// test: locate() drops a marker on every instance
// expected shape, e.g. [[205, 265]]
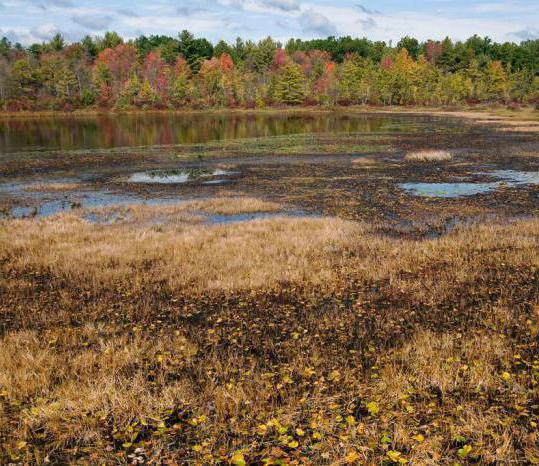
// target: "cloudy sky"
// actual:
[[30, 21]]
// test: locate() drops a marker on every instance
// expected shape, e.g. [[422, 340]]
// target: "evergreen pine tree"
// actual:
[[290, 85]]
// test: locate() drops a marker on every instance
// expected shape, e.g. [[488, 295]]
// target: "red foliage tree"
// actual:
[[155, 72], [120, 61], [225, 63], [387, 62], [433, 50], [279, 59]]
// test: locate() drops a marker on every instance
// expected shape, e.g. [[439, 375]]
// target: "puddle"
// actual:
[[509, 178], [515, 177], [448, 190], [82, 201], [217, 182], [178, 176]]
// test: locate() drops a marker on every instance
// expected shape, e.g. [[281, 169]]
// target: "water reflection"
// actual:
[[107, 131], [509, 178], [448, 190], [515, 177], [177, 176]]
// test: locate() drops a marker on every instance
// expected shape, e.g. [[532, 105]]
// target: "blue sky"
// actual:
[[29, 21]]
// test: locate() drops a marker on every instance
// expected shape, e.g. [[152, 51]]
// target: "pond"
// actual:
[[18, 134], [508, 178]]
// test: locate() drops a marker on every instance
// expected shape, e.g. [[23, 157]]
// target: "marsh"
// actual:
[[313, 306]]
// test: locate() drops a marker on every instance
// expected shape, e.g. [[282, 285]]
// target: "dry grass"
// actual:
[[261, 253], [53, 187], [304, 341], [428, 156], [364, 162], [255, 254]]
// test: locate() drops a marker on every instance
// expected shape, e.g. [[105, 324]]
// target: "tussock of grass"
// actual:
[[428, 156], [53, 187], [364, 162], [233, 205]]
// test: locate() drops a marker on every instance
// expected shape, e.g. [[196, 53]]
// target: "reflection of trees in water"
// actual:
[[106, 131]]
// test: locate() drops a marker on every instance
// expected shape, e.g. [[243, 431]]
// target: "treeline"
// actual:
[[189, 72]]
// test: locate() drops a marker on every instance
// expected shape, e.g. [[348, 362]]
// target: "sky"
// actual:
[[29, 21]]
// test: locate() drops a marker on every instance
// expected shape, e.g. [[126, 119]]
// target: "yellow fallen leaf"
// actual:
[[237, 459], [351, 457], [372, 408]]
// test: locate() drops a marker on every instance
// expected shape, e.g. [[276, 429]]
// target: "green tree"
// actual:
[[89, 47], [259, 57], [496, 82], [410, 44], [195, 51], [5, 47], [110, 40], [350, 82], [290, 85], [57, 43]]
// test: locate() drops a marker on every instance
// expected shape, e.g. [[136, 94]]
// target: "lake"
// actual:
[[150, 129]]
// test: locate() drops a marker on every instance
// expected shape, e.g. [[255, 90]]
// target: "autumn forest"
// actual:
[[161, 72]]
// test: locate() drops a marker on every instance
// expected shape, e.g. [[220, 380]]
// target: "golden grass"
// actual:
[[307, 340], [233, 205], [254, 254], [364, 162], [428, 156], [245, 255], [53, 187]]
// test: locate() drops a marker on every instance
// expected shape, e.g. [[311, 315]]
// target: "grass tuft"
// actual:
[[428, 156]]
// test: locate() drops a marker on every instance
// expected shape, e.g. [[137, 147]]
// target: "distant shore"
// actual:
[[521, 119]]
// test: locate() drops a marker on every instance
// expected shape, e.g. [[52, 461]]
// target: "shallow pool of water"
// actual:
[[448, 190], [508, 178], [515, 177], [178, 176], [38, 204]]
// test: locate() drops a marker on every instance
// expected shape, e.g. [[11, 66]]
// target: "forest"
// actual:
[[161, 72]]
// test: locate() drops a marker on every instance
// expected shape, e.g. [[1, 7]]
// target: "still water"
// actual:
[[151, 129]]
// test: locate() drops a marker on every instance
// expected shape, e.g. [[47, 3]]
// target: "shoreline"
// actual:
[[524, 119]]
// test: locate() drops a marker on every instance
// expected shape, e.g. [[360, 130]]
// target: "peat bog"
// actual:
[[281, 298]]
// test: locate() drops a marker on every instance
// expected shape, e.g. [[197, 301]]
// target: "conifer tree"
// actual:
[[290, 85]]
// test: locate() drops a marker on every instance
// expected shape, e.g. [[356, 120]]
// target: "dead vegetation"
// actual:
[[53, 187], [276, 341], [428, 156]]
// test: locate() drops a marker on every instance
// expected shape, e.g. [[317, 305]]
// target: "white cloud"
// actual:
[[45, 31], [283, 5], [93, 22], [526, 34], [315, 22], [37, 20]]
